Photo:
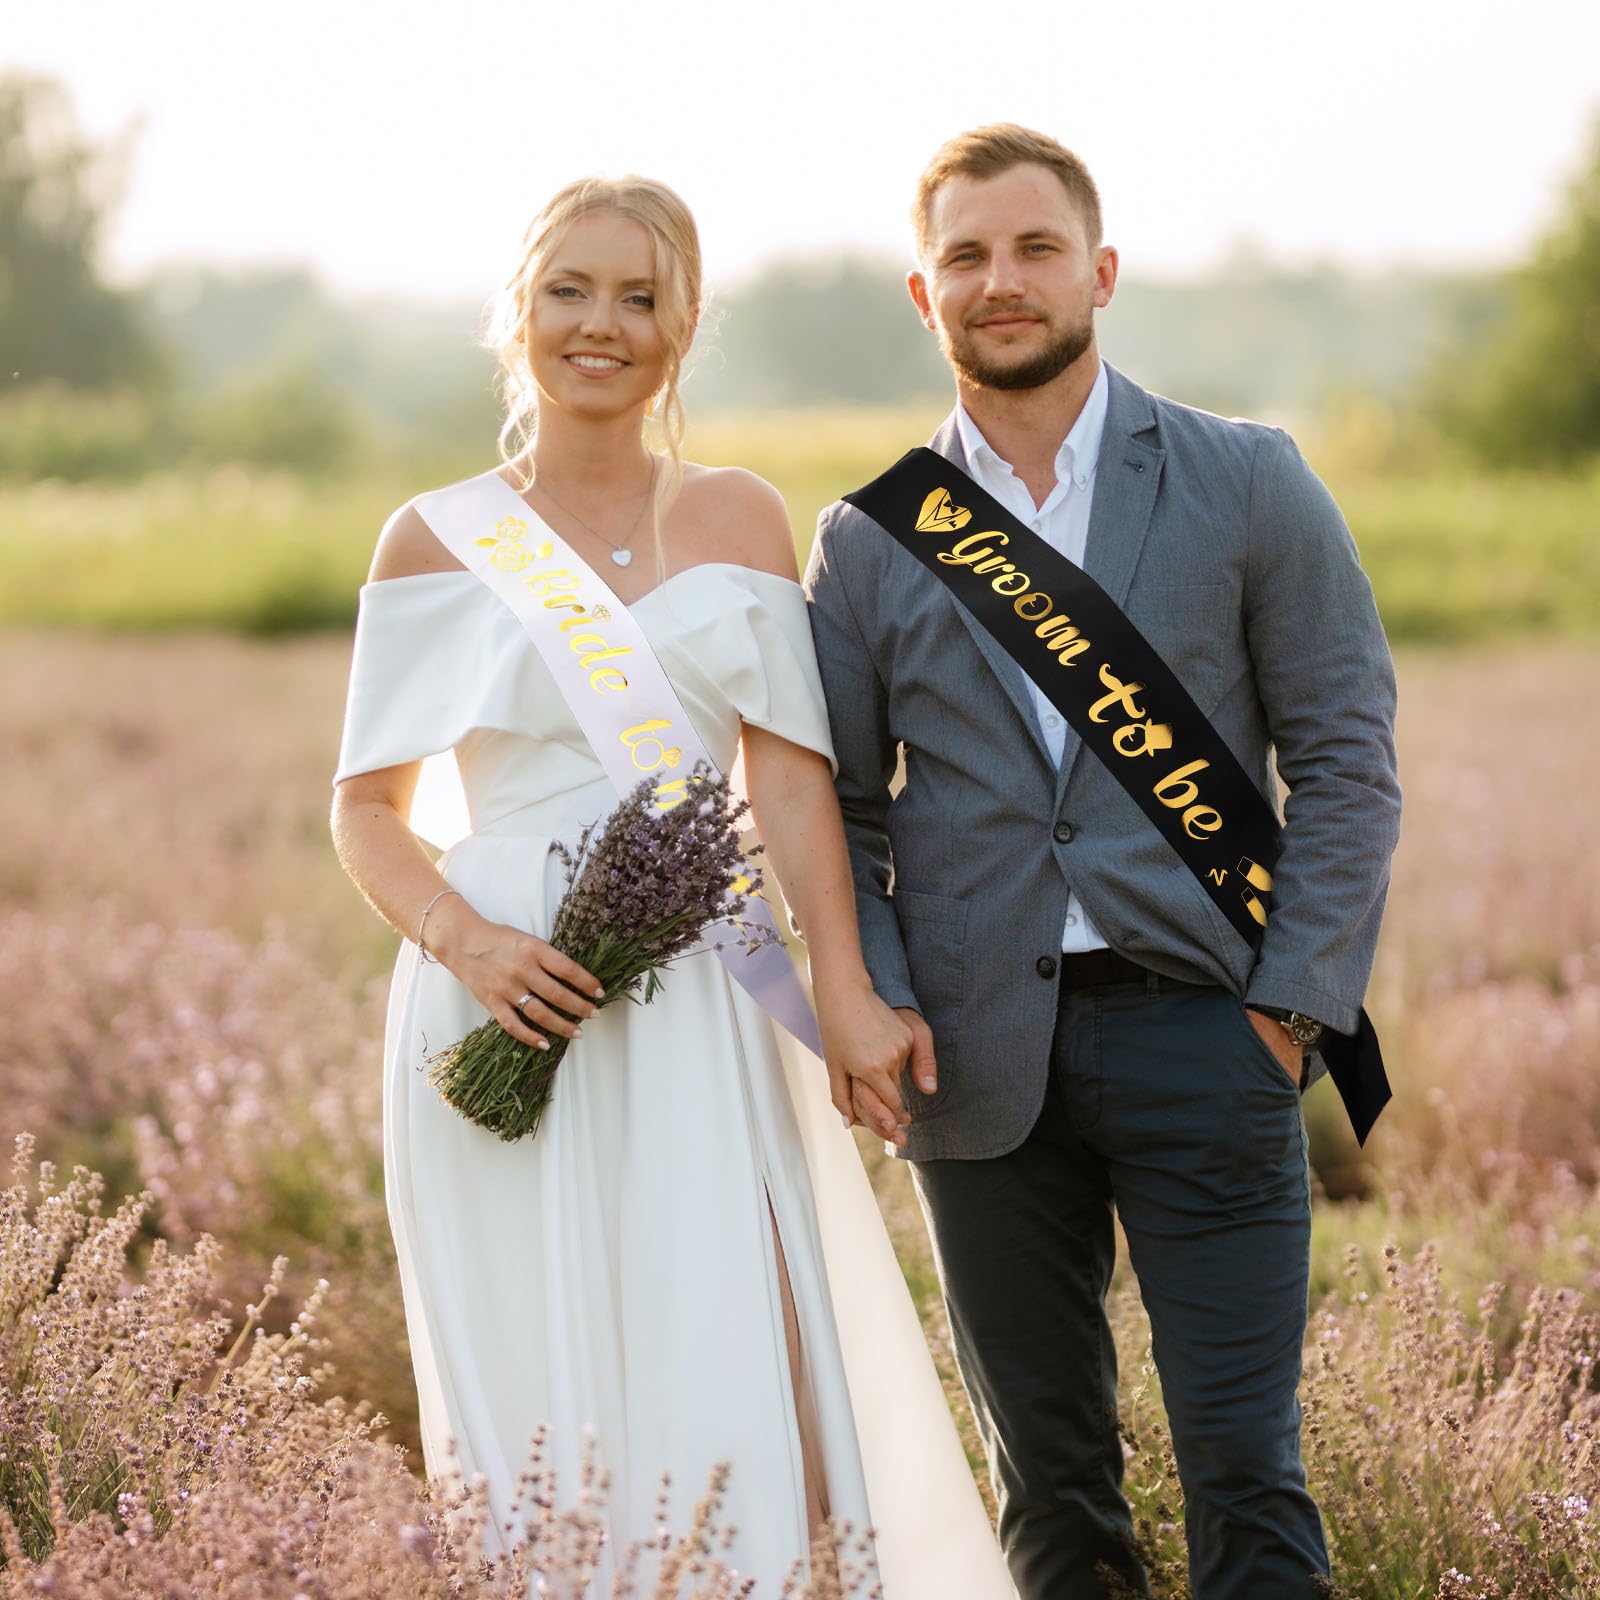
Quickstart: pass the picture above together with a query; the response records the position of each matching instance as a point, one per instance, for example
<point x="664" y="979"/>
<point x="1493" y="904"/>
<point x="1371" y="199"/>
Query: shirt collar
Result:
<point x="1078" y="456"/>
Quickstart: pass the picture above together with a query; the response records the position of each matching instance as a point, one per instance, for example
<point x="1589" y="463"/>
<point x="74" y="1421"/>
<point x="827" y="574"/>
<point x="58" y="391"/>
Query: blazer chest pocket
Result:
<point x="933" y="929"/>
<point x="1189" y="625"/>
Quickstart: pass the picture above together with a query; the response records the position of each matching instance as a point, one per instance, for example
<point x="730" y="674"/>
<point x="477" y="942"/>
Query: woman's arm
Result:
<point x="864" y="1042"/>
<point x="797" y="812"/>
<point x="496" y="963"/>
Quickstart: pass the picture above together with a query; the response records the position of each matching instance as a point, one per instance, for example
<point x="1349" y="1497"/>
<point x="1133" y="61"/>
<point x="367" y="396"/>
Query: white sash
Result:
<point x="614" y="685"/>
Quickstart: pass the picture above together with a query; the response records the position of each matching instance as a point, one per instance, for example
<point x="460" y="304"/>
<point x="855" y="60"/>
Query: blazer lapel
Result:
<point x="947" y="443"/>
<point x="1125" y="484"/>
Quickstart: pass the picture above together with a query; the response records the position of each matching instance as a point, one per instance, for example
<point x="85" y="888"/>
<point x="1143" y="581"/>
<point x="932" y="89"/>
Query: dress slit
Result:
<point x="803" y="1399"/>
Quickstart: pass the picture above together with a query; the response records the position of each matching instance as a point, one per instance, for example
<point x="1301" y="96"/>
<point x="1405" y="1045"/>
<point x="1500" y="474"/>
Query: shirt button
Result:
<point x="1052" y="722"/>
<point x="1063" y="833"/>
<point x="1072" y="919"/>
<point x="1045" y="966"/>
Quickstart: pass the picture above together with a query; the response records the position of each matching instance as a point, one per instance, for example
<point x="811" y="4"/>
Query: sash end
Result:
<point x="1355" y="1063"/>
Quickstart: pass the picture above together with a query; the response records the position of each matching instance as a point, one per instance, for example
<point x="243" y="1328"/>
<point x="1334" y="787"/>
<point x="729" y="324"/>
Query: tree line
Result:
<point x="264" y="364"/>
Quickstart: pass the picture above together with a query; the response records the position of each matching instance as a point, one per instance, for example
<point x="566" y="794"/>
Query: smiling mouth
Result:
<point x="596" y="363"/>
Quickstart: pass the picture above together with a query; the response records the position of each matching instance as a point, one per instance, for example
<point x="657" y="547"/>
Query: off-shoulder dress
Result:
<point x="616" y="1274"/>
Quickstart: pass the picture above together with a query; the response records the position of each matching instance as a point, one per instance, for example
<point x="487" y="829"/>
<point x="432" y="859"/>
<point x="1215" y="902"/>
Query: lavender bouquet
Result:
<point x="638" y="896"/>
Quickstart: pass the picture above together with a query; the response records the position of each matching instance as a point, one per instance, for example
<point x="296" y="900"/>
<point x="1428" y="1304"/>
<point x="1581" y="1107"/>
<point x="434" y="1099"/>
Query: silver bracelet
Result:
<point x="422" y="923"/>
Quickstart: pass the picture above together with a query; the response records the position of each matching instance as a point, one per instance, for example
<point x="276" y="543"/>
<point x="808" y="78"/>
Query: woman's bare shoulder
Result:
<point x="741" y="517"/>
<point x="408" y="547"/>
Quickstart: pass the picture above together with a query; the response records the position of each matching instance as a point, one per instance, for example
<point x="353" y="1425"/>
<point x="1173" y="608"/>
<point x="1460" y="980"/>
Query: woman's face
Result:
<point x="593" y="341"/>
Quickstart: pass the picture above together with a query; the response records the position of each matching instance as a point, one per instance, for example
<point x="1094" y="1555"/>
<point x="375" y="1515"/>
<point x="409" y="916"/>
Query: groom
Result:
<point x="1091" y="1034"/>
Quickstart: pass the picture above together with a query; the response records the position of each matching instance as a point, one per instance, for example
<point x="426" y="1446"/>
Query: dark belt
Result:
<point x="1087" y="969"/>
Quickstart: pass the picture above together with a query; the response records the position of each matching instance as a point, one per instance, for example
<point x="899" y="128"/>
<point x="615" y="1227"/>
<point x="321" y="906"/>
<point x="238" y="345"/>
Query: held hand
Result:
<point x="865" y="1045"/>
<point x="1276" y="1038"/>
<point x="924" y="1069"/>
<point x="519" y="979"/>
<point x="869" y="1110"/>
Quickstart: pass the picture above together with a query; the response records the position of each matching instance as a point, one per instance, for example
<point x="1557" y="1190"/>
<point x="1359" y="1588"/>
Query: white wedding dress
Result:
<point x="616" y="1274"/>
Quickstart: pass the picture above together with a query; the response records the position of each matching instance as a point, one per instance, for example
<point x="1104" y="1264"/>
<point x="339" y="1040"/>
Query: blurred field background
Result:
<point x="192" y="472"/>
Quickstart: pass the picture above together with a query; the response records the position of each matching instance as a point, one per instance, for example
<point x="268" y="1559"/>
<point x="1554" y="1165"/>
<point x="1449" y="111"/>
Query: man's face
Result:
<point x="1010" y="282"/>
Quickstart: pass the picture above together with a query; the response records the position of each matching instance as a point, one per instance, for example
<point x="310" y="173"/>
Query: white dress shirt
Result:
<point x="1063" y="522"/>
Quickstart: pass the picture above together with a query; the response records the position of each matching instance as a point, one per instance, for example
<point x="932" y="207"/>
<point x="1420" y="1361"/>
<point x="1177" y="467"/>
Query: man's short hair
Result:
<point x="986" y="153"/>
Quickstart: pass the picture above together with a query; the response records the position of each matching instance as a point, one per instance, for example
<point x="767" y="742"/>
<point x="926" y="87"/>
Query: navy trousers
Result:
<point x="1164" y="1104"/>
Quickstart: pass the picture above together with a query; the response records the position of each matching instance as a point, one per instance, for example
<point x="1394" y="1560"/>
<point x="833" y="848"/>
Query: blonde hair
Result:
<point x="986" y="153"/>
<point x="675" y="242"/>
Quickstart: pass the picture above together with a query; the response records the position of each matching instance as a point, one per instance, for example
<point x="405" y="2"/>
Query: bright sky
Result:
<point x="403" y="145"/>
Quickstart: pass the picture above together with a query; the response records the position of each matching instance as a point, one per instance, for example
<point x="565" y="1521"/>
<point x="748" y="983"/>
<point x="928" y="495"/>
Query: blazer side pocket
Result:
<point x="933" y="928"/>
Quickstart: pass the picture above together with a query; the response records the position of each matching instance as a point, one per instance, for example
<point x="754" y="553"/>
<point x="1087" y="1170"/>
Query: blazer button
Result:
<point x="1045" y="966"/>
<point x="1063" y="832"/>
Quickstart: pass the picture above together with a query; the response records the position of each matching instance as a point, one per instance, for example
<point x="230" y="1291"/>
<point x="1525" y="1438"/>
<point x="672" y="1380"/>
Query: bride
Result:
<point x="685" y="1263"/>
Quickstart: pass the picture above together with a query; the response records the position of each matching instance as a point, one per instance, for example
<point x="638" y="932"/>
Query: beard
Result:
<point x="1033" y="372"/>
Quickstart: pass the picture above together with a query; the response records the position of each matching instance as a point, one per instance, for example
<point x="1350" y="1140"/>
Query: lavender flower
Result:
<point x="638" y="896"/>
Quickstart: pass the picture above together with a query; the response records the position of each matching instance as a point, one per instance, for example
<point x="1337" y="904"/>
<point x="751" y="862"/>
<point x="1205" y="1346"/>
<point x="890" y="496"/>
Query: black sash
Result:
<point x="1117" y="694"/>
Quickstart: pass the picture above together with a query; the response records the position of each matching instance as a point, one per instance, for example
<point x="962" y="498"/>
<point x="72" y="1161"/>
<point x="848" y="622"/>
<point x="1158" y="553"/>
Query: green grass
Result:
<point x="815" y="456"/>
<point x="1464" y="559"/>
<point x="233" y="551"/>
<point x="1455" y="558"/>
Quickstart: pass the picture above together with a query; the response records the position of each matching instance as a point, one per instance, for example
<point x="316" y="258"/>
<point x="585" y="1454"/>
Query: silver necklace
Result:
<point x="620" y="553"/>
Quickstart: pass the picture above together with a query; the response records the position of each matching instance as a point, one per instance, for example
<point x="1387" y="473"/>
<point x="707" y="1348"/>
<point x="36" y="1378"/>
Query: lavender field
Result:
<point x="193" y="1004"/>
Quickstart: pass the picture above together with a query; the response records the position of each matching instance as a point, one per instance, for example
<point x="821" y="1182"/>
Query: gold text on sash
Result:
<point x="1140" y="734"/>
<point x="557" y="589"/>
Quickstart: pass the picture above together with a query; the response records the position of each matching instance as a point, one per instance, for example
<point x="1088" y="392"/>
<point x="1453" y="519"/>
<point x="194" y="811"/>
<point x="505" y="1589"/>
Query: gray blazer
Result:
<point x="1228" y="553"/>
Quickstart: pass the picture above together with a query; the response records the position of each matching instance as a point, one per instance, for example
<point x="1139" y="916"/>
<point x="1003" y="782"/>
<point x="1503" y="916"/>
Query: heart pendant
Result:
<point x="622" y="558"/>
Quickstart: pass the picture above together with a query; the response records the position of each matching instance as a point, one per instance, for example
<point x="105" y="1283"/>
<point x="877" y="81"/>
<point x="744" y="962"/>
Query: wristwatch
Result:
<point x="1304" y="1030"/>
